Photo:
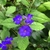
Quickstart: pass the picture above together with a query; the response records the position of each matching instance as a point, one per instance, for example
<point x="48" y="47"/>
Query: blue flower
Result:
<point x="8" y="38"/>
<point x="29" y="16"/>
<point x="17" y="19"/>
<point x="6" y="42"/>
<point x="3" y="46"/>
<point x="25" y="31"/>
<point x="28" y="19"/>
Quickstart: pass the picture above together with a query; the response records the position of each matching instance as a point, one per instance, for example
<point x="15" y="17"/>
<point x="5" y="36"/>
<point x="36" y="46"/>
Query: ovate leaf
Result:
<point x="25" y="2"/>
<point x="37" y="26"/>
<point x="39" y="17"/>
<point x="10" y="10"/>
<point x="9" y="23"/>
<point x="38" y="49"/>
<point x="48" y="36"/>
<point x="5" y="33"/>
<point x="45" y="6"/>
<point x="42" y="8"/>
<point x="37" y="3"/>
<point x="22" y="43"/>
<point x="18" y="0"/>
<point x="2" y="15"/>
<point x="1" y="21"/>
<point x="3" y="2"/>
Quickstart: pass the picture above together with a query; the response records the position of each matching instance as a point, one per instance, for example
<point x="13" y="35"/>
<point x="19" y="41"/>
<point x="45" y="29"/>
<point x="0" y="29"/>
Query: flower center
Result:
<point x="18" y="18"/>
<point x="24" y="30"/>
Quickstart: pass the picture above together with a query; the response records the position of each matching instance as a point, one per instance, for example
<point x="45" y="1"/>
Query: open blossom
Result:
<point x="25" y="31"/>
<point x="5" y="42"/>
<point x="17" y="19"/>
<point x="3" y="46"/>
<point x="28" y="19"/>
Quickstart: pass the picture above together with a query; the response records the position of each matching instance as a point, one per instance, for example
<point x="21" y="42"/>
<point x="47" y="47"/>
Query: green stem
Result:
<point x="31" y="5"/>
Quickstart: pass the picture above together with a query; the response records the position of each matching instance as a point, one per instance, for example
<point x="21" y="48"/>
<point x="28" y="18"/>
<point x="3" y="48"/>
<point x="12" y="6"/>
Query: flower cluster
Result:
<point x="5" y="42"/>
<point x="25" y="29"/>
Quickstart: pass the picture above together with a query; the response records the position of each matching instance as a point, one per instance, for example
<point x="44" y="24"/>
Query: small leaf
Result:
<point x="9" y="23"/>
<point x="10" y="10"/>
<point x="49" y="33"/>
<point x="2" y="15"/>
<point x="5" y="33"/>
<point x="38" y="49"/>
<point x="3" y="2"/>
<point x="42" y="8"/>
<point x="37" y="3"/>
<point x="18" y="0"/>
<point x="25" y="2"/>
<point x="37" y="35"/>
<point x="37" y="26"/>
<point x="22" y="42"/>
<point x="16" y="49"/>
<point x="0" y="49"/>
<point x="45" y="6"/>
<point x="1" y="21"/>
<point x="48" y="36"/>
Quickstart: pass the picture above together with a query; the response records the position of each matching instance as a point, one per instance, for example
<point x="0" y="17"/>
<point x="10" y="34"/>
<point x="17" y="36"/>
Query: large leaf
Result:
<point x="10" y="10"/>
<point x="39" y="17"/>
<point x="9" y="23"/>
<point x="37" y="26"/>
<point x="5" y="33"/>
<point x="3" y="2"/>
<point x="22" y="43"/>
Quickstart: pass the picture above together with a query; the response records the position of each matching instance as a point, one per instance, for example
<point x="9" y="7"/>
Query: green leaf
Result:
<point x="2" y="15"/>
<point x="9" y="23"/>
<point x="39" y="17"/>
<point x="49" y="33"/>
<point x="5" y="33"/>
<point x="3" y="2"/>
<point x="45" y="6"/>
<point x="37" y="3"/>
<point x="42" y="8"/>
<point x="48" y="39"/>
<point x="22" y="42"/>
<point x="25" y="2"/>
<point x="0" y="49"/>
<point x="16" y="49"/>
<point x="48" y="36"/>
<point x="10" y="10"/>
<point x="18" y="0"/>
<point x="37" y="35"/>
<point x="38" y="49"/>
<point x="1" y="21"/>
<point x="37" y="26"/>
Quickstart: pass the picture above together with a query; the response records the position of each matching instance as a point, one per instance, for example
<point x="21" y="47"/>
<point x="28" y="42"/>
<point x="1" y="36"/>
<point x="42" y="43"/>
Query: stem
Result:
<point x="31" y="5"/>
